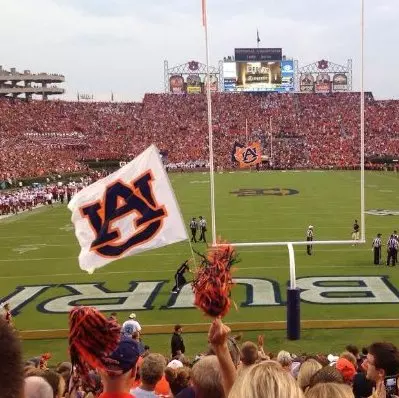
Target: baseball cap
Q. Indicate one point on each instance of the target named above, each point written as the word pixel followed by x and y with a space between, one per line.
pixel 310 227
pixel 132 315
pixel 175 364
pixel 126 355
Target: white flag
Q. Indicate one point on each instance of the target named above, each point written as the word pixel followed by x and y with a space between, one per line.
pixel 128 212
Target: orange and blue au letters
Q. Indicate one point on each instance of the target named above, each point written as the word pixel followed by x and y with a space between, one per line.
pixel 120 200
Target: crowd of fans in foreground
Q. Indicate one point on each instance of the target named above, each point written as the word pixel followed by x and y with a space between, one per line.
pixel 226 368
pixel 296 130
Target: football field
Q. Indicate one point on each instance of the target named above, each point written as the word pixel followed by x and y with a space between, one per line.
pixel 41 278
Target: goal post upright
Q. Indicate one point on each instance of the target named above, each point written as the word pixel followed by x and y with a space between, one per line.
pixel 293 293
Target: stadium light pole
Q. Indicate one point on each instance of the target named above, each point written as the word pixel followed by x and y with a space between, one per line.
pixel 362 129
pixel 210 128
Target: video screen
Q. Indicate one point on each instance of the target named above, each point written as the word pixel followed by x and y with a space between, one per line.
pixel 258 76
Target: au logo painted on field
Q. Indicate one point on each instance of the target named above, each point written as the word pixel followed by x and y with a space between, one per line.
pixel 120 200
pixel 265 192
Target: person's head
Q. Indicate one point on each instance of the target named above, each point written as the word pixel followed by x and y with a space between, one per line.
pixel 234 350
pixel 306 371
pixel 249 353
pixel 178 329
pixel 382 361
pixel 132 316
pixel 330 390
pixel 200 217
pixel 328 374
pixel 194 218
pixel 284 359
pixel 55 380
pixel 350 357
pixel 12 369
pixel 346 368
pixel 395 232
pixel 265 376
pixel 37 387
pixel 178 379
pixel 379 235
pixel 114 316
pixel 207 379
pixel 355 221
pixel 352 348
pixel 6 306
pixel 95 342
pixel 65 370
pixel 152 370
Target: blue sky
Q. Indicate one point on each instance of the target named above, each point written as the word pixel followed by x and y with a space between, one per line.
pixel 120 45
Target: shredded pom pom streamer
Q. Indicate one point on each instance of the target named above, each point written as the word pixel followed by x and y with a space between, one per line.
pixel 213 280
pixel 92 337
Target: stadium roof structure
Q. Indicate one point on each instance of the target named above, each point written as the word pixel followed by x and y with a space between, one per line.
pixel 325 66
pixel 190 68
pixel 14 84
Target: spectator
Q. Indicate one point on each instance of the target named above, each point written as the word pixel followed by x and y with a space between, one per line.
pixel 249 355
pixel 330 390
pixel 266 378
pixel 177 343
pixel 11 370
pixel 178 379
pixel 37 387
pixel 306 371
pixel 285 360
pixel 347 369
pixel 382 361
pixel 117 383
pixel 328 374
pixel 151 372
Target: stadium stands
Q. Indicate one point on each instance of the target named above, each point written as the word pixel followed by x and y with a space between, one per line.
pixel 42 137
pixel 217 372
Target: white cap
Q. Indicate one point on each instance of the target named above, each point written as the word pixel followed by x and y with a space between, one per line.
pixel 132 315
pixel 310 226
pixel 175 364
pixel 332 358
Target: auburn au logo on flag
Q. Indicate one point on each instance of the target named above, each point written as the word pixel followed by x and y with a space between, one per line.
pixel 130 211
pixel 249 155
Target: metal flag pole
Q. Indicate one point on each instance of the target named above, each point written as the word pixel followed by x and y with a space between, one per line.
pixel 362 106
pixel 210 129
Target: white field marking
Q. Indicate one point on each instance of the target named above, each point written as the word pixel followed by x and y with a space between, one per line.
pixel 67 228
pixel 28 248
pixel 154 271
pixel 385 190
pixel 223 229
pixel 199 182
pixel 175 254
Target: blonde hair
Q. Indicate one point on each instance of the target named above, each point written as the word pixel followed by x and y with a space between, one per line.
pixel 330 390
pixel 284 358
pixel 266 378
pixel 306 371
pixel 207 378
pixel 350 357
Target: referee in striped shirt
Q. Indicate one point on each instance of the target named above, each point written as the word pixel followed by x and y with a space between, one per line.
pixel 396 236
pixel 309 238
pixel 392 248
pixel 377 243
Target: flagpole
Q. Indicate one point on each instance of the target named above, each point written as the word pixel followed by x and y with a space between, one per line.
pixel 362 128
pixel 271 139
pixel 210 128
pixel 246 131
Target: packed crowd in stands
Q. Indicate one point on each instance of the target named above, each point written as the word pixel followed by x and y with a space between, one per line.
pixel 295 130
pixel 110 360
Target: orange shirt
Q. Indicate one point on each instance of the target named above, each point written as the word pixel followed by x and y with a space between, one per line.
pixel 115 395
pixel 162 387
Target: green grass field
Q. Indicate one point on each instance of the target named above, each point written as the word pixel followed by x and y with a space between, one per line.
pixel 39 248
